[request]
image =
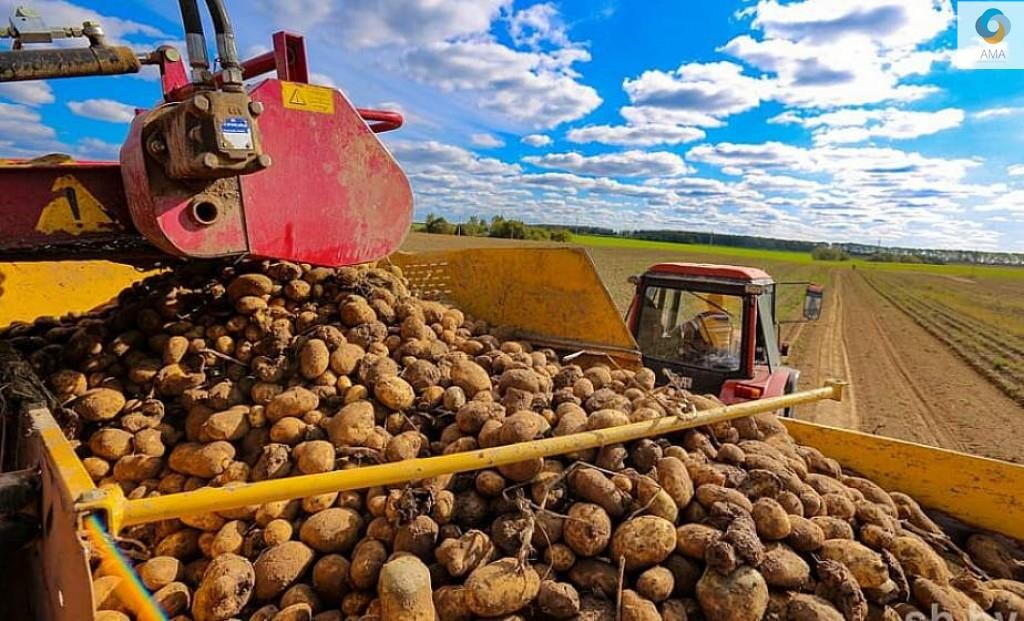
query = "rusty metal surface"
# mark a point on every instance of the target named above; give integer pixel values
(71, 62)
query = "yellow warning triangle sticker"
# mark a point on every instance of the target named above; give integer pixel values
(296, 98)
(74, 210)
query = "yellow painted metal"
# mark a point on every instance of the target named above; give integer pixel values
(59, 562)
(549, 296)
(30, 290)
(205, 500)
(979, 491)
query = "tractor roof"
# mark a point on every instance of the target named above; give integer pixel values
(712, 271)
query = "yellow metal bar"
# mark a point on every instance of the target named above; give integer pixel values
(979, 491)
(72, 473)
(145, 510)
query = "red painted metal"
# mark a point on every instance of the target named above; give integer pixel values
(173, 75)
(771, 384)
(744, 274)
(381, 120)
(333, 196)
(27, 187)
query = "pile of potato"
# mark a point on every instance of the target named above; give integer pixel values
(215, 376)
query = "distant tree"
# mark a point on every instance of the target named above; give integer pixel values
(561, 235)
(438, 225)
(475, 227)
(508, 229)
(827, 253)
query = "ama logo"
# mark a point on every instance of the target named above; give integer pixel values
(985, 22)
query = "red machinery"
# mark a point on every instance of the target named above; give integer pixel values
(279, 169)
(714, 329)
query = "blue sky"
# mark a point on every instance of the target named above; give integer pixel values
(815, 119)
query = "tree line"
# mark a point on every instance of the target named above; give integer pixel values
(498, 227)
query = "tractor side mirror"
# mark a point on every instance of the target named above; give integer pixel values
(812, 302)
(633, 280)
(783, 349)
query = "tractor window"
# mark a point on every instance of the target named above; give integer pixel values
(691, 327)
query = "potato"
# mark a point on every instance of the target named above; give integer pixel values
(352, 425)
(558, 600)
(450, 604)
(655, 499)
(833, 527)
(279, 566)
(296, 612)
(332, 530)
(295, 401)
(740, 596)
(314, 456)
(406, 445)
(804, 607)
(111, 443)
(709, 494)
(314, 358)
(865, 564)
(229, 538)
(277, 532)
(771, 519)
(588, 530)
(182, 544)
(656, 584)
(461, 556)
(98, 404)
(250, 285)
(368, 558)
(394, 393)
(405, 591)
(174, 598)
(225, 589)
(470, 377)
(692, 540)
(592, 485)
(201, 460)
(559, 557)
(137, 468)
(637, 608)
(674, 478)
(160, 571)
(501, 588)
(919, 559)
(330, 577)
(643, 541)
(804, 535)
(784, 568)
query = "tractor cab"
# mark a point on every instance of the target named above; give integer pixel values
(713, 327)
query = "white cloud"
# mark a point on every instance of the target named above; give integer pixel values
(539, 89)
(489, 141)
(103, 110)
(851, 125)
(537, 140)
(538, 24)
(635, 135)
(824, 54)
(993, 113)
(693, 94)
(359, 24)
(1016, 170)
(23, 134)
(623, 164)
(28, 93)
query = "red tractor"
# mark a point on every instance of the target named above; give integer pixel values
(713, 329)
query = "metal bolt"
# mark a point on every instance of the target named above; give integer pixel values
(172, 55)
(157, 146)
(264, 161)
(256, 108)
(202, 102)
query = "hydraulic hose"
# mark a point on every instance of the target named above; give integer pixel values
(195, 39)
(226, 47)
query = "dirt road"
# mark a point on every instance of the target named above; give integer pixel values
(905, 383)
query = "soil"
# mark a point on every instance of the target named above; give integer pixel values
(904, 383)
